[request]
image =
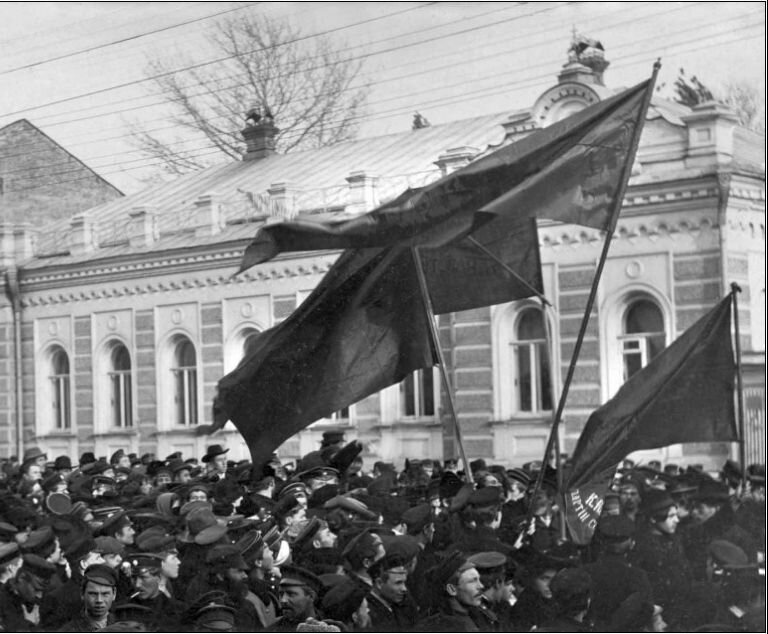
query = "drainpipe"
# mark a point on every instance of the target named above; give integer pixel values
(14, 295)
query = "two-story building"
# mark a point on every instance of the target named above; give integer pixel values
(127, 314)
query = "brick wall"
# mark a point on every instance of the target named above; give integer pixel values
(42, 181)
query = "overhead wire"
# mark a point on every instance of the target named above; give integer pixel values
(395, 78)
(201, 64)
(526, 82)
(466, 97)
(123, 40)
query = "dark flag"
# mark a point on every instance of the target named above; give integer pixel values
(362, 329)
(685, 394)
(350, 339)
(569, 171)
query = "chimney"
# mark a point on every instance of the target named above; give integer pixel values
(455, 158)
(282, 200)
(17, 243)
(710, 134)
(207, 215)
(142, 226)
(259, 138)
(362, 192)
(81, 238)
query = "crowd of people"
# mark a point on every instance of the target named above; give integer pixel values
(143, 544)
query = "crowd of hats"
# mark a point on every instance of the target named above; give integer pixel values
(235, 514)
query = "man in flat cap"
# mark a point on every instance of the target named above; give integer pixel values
(457, 590)
(392, 608)
(713, 518)
(226, 571)
(147, 580)
(20, 597)
(298, 594)
(119, 526)
(361, 553)
(496, 611)
(97, 596)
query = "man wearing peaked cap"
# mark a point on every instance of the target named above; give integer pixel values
(111, 550)
(225, 570)
(347, 602)
(714, 518)
(496, 610)
(146, 575)
(299, 591)
(392, 608)
(98, 591)
(119, 526)
(458, 594)
(214, 616)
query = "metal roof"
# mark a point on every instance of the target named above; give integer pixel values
(318, 177)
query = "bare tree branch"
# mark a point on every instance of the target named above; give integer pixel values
(308, 84)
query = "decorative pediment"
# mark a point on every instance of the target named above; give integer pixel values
(561, 101)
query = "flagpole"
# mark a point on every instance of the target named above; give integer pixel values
(735, 289)
(509, 270)
(626, 172)
(441, 359)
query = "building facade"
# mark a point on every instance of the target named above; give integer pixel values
(118, 321)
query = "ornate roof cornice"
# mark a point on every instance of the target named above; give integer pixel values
(274, 271)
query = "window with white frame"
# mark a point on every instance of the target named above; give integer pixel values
(530, 362)
(59, 389)
(120, 386)
(642, 335)
(418, 395)
(184, 373)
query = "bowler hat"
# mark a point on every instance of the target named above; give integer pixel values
(213, 451)
(62, 462)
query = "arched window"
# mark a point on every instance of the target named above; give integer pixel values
(184, 372)
(530, 361)
(418, 395)
(59, 382)
(120, 390)
(250, 338)
(643, 335)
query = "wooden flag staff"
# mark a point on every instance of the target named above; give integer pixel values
(626, 171)
(441, 359)
(735, 289)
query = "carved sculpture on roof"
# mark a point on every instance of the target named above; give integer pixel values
(588, 52)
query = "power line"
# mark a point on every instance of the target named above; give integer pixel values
(466, 97)
(204, 64)
(124, 40)
(493, 75)
(429, 70)
(237, 75)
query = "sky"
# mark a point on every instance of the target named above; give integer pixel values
(77, 70)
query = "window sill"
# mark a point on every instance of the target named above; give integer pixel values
(524, 419)
(57, 434)
(177, 431)
(116, 432)
(410, 422)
